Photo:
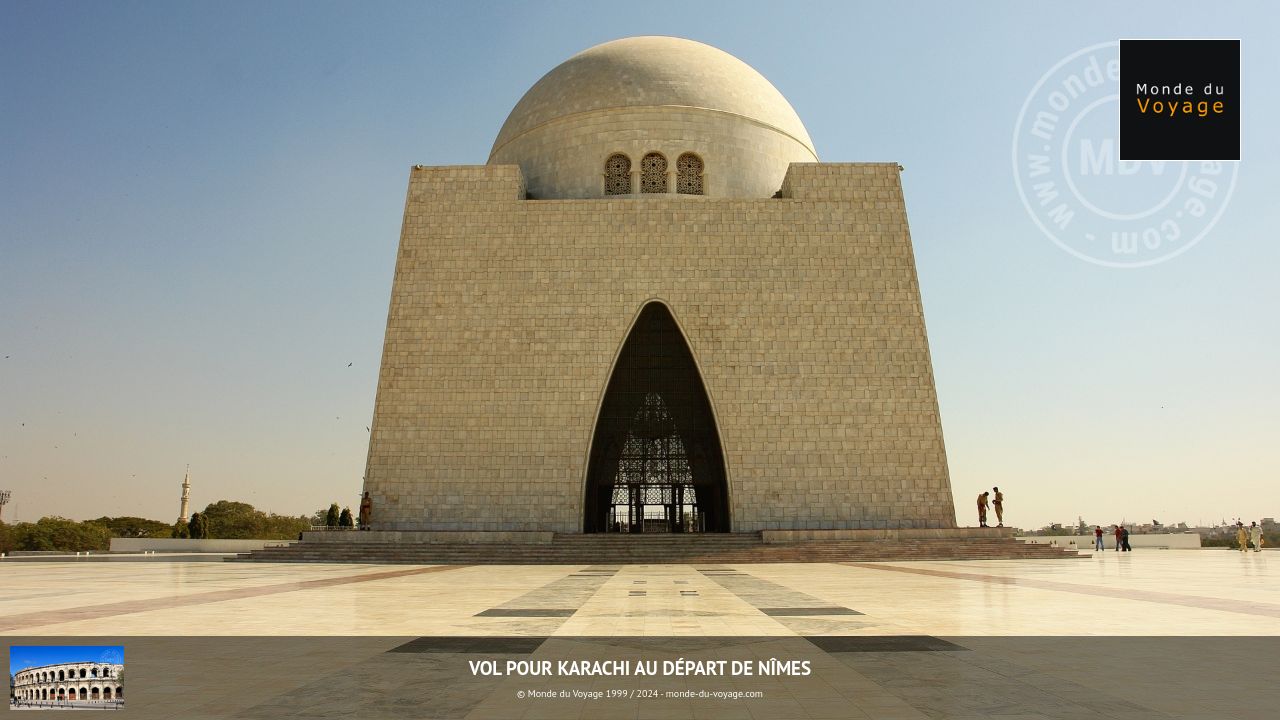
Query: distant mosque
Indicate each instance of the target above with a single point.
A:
(183, 515)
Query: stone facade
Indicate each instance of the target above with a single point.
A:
(80, 682)
(802, 312)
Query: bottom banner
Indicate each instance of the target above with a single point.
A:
(816, 676)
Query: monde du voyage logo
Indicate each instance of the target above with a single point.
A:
(1123, 152)
(1181, 100)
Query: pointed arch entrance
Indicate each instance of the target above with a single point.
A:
(656, 463)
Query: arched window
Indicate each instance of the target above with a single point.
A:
(106, 672)
(653, 173)
(82, 672)
(617, 175)
(106, 693)
(84, 694)
(62, 674)
(689, 174)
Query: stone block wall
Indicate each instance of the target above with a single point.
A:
(803, 313)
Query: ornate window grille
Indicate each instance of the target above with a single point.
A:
(653, 173)
(689, 174)
(656, 463)
(617, 175)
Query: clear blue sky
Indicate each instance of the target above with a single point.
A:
(200, 206)
(22, 657)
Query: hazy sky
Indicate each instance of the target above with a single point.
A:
(200, 206)
(22, 657)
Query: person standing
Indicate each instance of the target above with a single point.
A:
(1242, 537)
(1255, 533)
(1117, 534)
(366, 511)
(1097, 538)
(982, 510)
(997, 501)
(1124, 538)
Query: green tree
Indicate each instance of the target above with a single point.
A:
(345, 520)
(179, 530)
(236, 520)
(59, 534)
(283, 527)
(333, 517)
(233, 520)
(132, 527)
(198, 527)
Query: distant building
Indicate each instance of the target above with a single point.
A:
(183, 516)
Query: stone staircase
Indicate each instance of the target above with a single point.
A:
(656, 549)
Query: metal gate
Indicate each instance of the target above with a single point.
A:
(656, 464)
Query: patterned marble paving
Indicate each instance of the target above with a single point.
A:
(902, 640)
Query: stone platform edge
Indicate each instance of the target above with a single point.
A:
(535, 537)
(964, 533)
(432, 537)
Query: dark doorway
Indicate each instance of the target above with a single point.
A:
(656, 464)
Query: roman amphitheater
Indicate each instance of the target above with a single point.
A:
(70, 682)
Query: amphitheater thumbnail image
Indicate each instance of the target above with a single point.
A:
(655, 310)
(74, 681)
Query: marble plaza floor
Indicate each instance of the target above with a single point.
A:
(1148, 634)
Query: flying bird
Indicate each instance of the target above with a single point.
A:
(350, 364)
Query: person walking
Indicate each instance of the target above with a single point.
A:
(982, 510)
(1255, 533)
(366, 511)
(1242, 537)
(1117, 534)
(1124, 538)
(1097, 538)
(997, 501)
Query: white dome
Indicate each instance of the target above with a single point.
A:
(642, 95)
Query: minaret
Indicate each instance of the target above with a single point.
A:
(186, 495)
